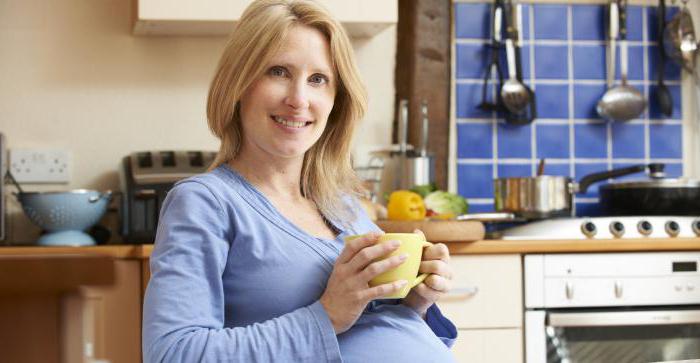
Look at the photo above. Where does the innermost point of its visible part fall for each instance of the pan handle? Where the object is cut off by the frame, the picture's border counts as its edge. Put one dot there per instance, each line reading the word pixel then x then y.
pixel 588 180
pixel 487 217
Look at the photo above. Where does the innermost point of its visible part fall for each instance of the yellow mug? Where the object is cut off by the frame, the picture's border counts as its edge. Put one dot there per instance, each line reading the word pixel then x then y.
pixel 412 244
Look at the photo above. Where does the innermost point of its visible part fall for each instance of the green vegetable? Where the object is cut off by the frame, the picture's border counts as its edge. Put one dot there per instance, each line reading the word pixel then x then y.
pixel 424 189
pixel 442 202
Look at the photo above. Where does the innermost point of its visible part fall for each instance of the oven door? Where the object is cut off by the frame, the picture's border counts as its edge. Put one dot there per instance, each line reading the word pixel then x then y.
pixel 612 336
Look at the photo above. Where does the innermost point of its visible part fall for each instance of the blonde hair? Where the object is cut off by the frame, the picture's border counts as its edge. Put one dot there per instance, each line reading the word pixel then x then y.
pixel 327 172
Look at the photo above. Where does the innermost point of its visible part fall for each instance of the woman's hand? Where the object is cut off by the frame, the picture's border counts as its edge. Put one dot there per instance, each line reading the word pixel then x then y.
pixel 436 259
pixel 348 291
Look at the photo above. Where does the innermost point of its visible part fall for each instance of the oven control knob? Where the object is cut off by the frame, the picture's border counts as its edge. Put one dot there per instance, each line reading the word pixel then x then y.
pixel 588 228
pixel 617 228
pixel 644 228
pixel 672 228
pixel 696 226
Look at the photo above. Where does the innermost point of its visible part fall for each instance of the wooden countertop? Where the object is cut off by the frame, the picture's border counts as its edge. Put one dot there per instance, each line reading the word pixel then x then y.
pixel 116 251
pixel 456 248
pixel 567 246
pixel 37 273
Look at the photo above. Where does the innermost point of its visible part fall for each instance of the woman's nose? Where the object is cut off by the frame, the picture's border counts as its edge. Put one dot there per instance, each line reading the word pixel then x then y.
pixel 296 96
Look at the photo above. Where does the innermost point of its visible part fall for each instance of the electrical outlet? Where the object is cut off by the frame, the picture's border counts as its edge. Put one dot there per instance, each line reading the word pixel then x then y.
pixel 40 166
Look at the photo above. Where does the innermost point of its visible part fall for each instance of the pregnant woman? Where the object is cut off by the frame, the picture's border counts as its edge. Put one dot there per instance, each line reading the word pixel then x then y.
pixel 249 263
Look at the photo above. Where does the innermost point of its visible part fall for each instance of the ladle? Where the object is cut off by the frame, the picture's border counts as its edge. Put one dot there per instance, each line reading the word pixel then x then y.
pixel 621 103
pixel 494 66
pixel 514 94
pixel 680 43
pixel 663 95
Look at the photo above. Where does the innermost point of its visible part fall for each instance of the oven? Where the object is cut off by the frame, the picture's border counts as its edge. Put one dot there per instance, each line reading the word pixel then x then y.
pixel 612 307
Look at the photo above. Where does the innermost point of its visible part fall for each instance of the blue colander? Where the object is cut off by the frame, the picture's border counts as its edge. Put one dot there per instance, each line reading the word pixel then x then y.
pixel 65 215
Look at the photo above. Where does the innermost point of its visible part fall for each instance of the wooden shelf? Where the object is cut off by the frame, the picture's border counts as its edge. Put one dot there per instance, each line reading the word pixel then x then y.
pixel 53 273
pixel 117 251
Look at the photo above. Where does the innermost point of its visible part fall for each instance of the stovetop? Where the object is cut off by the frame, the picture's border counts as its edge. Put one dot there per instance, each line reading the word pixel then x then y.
pixel 600 228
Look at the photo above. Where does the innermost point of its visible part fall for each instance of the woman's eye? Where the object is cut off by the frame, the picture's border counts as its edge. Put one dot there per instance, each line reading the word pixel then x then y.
pixel 277 71
pixel 318 79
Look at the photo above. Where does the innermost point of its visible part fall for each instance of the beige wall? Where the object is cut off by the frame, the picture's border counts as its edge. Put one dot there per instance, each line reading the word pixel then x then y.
pixel 74 78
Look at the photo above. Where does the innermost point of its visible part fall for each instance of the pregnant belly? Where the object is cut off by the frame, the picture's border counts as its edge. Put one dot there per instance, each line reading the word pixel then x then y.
pixel 392 333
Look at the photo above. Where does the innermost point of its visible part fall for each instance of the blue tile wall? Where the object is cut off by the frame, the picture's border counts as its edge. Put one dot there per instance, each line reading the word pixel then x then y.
pixel 563 55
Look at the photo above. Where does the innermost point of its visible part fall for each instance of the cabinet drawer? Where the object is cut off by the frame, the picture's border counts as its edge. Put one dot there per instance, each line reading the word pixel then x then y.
pixel 486 292
pixel 489 346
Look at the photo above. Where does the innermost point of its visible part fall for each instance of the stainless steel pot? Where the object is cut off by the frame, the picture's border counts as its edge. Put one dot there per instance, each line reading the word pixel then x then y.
pixel 405 168
pixel 534 197
pixel 402 171
pixel 546 196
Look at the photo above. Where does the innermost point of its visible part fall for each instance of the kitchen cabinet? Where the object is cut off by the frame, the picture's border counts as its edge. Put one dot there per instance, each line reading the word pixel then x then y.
pixel 104 322
pixel 60 306
pixel 361 18
pixel 486 306
pixel 54 300
pixel 489 346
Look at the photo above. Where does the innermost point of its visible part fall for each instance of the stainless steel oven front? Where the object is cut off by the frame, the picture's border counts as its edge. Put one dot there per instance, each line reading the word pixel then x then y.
pixel 612 307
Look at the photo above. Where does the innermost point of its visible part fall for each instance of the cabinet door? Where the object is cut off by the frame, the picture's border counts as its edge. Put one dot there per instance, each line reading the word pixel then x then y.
pixel 105 322
pixel 487 292
pixel 489 346
pixel 362 18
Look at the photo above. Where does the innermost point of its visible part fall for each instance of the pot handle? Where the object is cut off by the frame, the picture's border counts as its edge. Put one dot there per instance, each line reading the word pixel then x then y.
pixel 588 180
pixel 107 195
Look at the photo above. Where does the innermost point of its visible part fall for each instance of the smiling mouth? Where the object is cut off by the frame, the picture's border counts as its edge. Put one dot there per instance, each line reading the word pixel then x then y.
pixel 287 123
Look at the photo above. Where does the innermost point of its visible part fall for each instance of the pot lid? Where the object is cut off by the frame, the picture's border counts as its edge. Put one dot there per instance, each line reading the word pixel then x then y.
pixel 655 183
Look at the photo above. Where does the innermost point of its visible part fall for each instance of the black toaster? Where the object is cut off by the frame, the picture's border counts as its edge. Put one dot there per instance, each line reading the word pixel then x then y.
pixel 145 179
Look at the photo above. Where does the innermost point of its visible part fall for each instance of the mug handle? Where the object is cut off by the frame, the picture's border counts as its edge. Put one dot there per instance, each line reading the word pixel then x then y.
pixel 421 277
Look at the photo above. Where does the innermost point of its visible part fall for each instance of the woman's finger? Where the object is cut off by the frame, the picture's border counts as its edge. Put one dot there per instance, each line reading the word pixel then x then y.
pixel 427 293
pixel 355 245
pixel 438 283
pixel 382 290
pixel 418 231
pixel 438 251
pixel 366 255
pixel 381 266
pixel 437 267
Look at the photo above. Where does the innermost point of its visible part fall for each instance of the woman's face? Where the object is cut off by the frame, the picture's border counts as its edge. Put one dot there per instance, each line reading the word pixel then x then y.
pixel 284 111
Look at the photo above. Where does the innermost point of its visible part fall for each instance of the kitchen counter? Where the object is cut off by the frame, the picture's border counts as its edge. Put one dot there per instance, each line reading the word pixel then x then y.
pixel 456 248
pixel 93 295
pixel 567 246
pixel 117 251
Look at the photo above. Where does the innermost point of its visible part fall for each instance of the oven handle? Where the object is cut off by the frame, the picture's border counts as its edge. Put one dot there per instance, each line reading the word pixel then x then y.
pixel 624 318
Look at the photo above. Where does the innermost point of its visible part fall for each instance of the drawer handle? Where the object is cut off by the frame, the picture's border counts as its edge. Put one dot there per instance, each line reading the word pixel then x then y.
pixel 462 293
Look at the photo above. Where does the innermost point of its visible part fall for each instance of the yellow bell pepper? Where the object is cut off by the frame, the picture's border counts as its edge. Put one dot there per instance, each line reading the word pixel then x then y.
pixel 405 205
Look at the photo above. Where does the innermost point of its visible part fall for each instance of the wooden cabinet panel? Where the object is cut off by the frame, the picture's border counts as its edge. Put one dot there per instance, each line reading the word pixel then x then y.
pixel 57 321
pixel 495 299
pixel 29 333
pixel 489 346
pixel 116 313
pixel 362 18
pixel 104 322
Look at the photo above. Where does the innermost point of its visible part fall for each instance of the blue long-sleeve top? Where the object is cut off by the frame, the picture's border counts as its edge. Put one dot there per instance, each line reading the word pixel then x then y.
pixel 232 280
